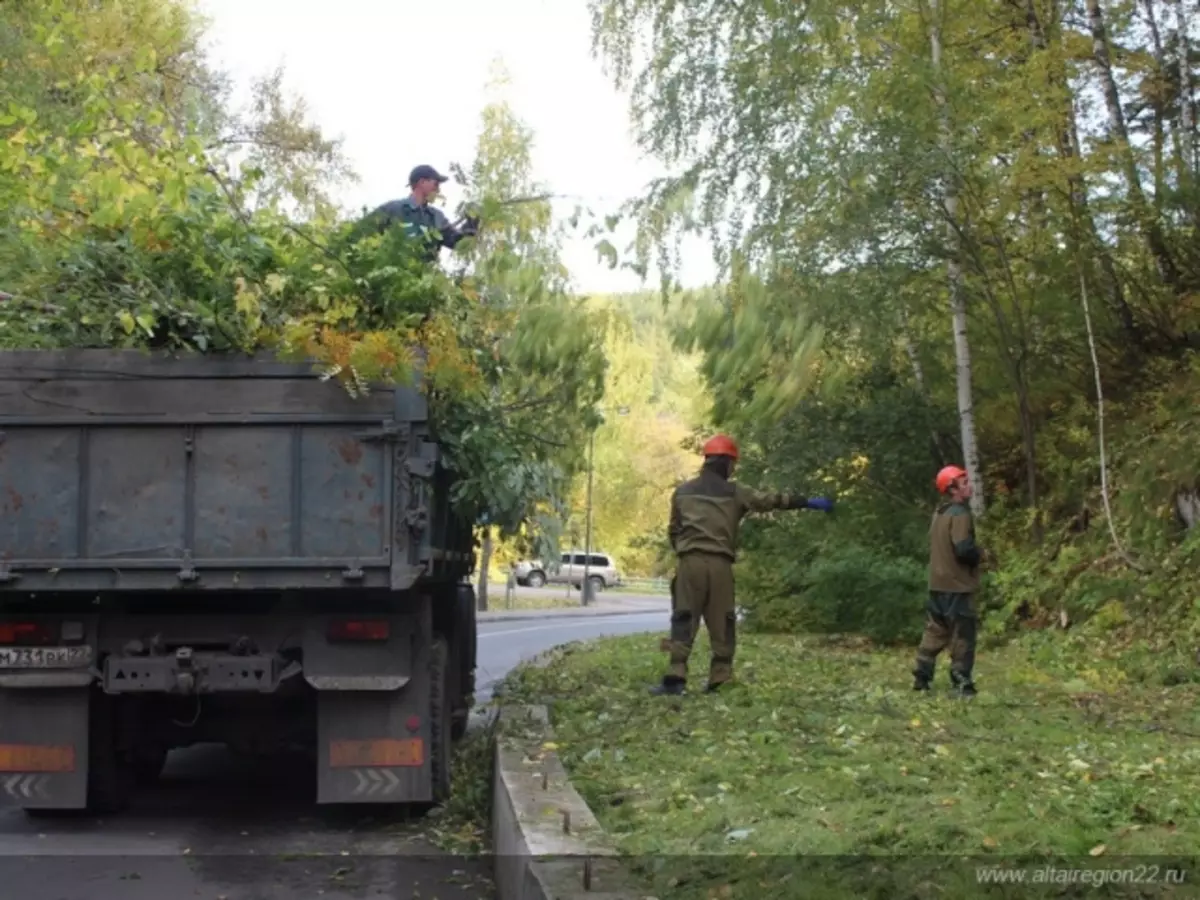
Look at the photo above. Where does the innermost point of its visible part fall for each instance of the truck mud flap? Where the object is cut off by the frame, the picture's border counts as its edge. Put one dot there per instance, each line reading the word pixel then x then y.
pixel 373 732
pixel 44 747
pixel 373 747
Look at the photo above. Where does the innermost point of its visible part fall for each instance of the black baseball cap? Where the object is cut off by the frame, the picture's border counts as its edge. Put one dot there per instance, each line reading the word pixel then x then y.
pixel 425 172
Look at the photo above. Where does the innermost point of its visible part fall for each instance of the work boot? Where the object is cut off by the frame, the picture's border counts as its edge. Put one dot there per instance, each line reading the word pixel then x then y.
pixel 670 686
pixel 921 678
pixel 963 686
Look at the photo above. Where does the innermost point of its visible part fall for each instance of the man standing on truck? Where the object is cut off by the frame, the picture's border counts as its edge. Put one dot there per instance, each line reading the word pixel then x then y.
pixel 421 220
pixel 954 560
pixel 706 513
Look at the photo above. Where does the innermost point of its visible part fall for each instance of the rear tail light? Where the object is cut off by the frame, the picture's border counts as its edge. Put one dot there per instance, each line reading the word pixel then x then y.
pixel 28 633
pixel 357 630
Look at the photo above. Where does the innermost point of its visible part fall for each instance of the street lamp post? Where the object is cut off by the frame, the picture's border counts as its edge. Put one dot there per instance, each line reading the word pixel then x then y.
pixel 586 592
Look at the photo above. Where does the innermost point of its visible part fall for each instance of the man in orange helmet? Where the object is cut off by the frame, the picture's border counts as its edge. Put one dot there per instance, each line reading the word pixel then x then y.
pixel 705 515
pixel 954 560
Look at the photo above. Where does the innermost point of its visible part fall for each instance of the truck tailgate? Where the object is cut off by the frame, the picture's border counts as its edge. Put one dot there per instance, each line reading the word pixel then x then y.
pixel 121 470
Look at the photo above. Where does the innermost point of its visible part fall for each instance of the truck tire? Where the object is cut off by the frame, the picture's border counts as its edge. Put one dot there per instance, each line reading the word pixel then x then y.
pixel 440 714
pixel 466 624
pixel 111 771
pixel 463 660
pixel 148 765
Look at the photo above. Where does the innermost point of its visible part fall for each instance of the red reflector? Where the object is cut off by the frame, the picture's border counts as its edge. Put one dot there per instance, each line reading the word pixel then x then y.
pixel 359 631
pixel 27 633
pixel 413 723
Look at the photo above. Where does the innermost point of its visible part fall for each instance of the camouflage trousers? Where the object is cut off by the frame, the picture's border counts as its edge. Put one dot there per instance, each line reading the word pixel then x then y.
pixel 950 621
pixel 703 590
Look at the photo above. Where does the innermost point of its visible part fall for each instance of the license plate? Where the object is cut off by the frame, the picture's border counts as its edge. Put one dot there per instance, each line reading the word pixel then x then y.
pixel 44 657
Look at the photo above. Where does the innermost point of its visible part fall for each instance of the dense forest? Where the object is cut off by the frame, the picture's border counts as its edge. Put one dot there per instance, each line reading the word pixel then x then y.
pixel 952 232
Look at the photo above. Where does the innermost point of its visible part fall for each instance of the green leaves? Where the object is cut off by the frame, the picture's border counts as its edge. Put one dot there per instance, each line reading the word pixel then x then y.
pixel 761 351
pixel 818 143
pixel 608 253
pixel 136 209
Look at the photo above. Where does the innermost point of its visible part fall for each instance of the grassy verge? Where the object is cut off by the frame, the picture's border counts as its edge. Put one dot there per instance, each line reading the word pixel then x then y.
pixel 823 750
pixel 639 590
pixel 463 824
pixel 524 598
pixel 551 598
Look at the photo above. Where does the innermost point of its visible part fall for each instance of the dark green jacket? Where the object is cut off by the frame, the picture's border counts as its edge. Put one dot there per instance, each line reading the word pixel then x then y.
pixel 707 511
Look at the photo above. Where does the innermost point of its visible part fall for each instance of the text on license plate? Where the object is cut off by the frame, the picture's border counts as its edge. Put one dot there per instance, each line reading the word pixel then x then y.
pixel 44 657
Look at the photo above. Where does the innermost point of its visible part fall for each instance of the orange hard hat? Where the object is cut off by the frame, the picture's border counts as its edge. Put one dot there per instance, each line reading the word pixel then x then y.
pixel 947 477
pixel 721 445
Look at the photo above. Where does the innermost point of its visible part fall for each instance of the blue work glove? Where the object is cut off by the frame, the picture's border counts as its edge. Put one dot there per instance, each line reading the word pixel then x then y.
pixel 822 503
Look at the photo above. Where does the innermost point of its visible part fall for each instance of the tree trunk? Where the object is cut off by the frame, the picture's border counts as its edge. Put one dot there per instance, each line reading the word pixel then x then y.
pixel 1187 506
pixel 958 296
pixel 1150 227
pixel 485 564
pixel 1029 445
pixel 937 445
pixel 1189 163
pixel 1067 141
pixel 1104 490
pixel 1159 102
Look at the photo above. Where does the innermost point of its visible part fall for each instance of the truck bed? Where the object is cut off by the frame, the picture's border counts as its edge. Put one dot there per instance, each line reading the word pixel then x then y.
pixel 126 471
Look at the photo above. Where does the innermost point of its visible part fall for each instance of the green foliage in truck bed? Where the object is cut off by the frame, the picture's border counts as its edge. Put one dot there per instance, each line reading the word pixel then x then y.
pixel 131 217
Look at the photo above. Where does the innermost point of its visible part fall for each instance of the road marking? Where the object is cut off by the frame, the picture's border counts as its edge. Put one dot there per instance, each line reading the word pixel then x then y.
pixel 561 625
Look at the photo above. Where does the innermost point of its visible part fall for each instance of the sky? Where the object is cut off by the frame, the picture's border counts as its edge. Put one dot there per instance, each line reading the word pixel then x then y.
pixel 404 83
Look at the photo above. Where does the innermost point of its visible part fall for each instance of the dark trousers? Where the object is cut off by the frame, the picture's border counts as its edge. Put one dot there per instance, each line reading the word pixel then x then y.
pixel 703 590
pixel 950 621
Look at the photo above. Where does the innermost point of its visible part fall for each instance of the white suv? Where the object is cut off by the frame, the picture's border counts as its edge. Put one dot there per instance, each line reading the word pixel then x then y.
pixel 602 571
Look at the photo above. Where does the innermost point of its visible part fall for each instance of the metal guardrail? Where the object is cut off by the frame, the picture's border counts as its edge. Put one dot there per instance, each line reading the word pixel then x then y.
pixel 628 586
pixel 646 585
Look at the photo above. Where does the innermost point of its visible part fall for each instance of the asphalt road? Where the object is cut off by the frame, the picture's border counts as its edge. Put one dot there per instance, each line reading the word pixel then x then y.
pixel 222 828
pixel 503 645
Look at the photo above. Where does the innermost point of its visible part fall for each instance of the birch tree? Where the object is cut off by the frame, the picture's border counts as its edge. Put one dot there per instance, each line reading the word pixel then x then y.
pixel 958 294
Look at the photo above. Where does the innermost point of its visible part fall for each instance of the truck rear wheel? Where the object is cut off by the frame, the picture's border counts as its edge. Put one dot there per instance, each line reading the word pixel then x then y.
pixel 148 765
pixel 462 660
pixel 460 711
pixel 440 715
pixel 111 771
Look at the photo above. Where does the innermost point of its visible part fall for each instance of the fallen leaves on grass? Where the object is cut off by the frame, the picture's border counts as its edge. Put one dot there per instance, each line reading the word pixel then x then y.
pixel 829 754
pixel 462 825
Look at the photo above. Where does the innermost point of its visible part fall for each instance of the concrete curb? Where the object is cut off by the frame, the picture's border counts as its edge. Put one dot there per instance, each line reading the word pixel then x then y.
pixel 547 842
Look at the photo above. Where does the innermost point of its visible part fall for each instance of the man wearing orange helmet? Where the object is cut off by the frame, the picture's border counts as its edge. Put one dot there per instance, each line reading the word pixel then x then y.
pixel 954 560
pixel 705 515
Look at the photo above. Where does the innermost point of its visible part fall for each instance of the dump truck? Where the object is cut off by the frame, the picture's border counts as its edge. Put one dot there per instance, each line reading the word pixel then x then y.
pixel 224 549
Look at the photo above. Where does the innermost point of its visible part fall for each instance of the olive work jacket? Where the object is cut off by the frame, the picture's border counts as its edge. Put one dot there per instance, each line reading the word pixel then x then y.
pixel 707 511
